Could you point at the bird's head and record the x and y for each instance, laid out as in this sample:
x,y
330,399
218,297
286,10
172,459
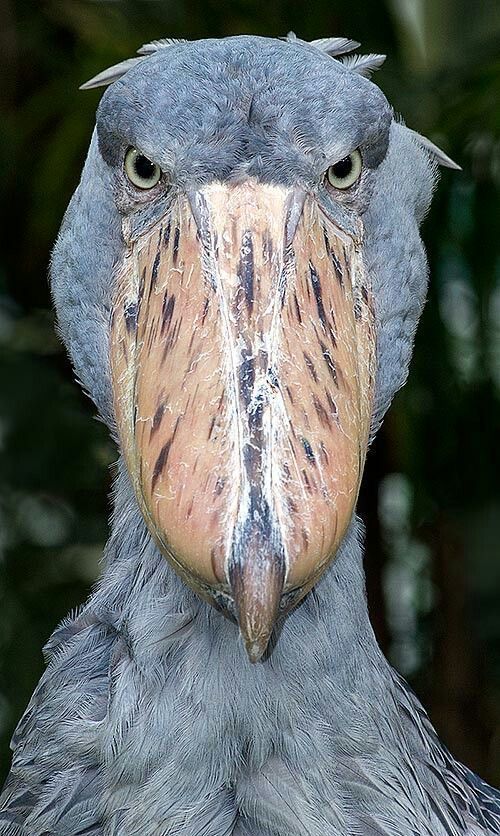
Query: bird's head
x,y
238,279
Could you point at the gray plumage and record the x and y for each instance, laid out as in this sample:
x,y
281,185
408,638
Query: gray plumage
x,y
149,718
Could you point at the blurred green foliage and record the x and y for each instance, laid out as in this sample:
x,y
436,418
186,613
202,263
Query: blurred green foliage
x,y
431,497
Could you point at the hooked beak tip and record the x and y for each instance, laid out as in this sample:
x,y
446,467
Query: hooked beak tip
x,y
257,586
256,649
256,632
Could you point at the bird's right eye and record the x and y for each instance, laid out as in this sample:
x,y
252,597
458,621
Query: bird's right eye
x,y
344,173
141,171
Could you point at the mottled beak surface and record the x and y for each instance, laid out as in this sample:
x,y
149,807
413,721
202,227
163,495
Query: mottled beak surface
x,y
242,357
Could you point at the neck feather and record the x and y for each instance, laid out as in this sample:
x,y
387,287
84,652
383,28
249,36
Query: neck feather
x,y
326,643
323,723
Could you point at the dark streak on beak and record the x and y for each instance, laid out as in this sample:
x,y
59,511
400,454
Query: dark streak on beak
x,y
256,566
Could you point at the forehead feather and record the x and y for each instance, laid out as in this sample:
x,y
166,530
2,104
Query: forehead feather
x,y
213,90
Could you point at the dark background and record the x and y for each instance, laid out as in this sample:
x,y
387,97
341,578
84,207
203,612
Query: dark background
x,y
431,496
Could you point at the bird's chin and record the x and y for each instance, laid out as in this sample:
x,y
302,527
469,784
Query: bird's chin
x,y
242,357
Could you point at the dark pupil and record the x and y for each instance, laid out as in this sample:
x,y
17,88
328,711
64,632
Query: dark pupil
x,y
145,169
343,168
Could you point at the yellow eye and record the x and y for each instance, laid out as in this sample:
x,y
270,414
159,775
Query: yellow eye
x,y
344,174
143,173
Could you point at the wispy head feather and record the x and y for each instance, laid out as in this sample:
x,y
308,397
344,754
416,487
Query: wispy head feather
x,y
335,46
363,64
118,70
111,74
338,48
434,151
154,46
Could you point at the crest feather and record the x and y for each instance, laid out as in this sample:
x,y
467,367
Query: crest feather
x,y
111,74
118,70
335,46
340,47
332,46
154,46
439,156
363,64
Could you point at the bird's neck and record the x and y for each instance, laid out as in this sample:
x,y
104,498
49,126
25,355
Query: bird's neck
x,y
304,730
324,650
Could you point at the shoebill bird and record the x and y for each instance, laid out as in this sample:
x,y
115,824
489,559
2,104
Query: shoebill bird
x,y
238,280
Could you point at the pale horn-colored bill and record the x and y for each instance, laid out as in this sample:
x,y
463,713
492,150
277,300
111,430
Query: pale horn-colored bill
x,y
243,355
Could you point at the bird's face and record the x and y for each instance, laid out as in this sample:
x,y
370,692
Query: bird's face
x,y
242,339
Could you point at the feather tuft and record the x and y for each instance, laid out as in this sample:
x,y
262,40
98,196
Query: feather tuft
x,y
434,151
162,43
118,70
332,46
363,64
335,46
111,74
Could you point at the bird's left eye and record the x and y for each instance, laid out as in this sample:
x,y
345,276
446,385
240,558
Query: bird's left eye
x,y
344,174
142,172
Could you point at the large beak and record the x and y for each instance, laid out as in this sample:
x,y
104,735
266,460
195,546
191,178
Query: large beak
x,y
242,357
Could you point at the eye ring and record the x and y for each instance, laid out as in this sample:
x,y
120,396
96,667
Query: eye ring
x,y
344,173
140,170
